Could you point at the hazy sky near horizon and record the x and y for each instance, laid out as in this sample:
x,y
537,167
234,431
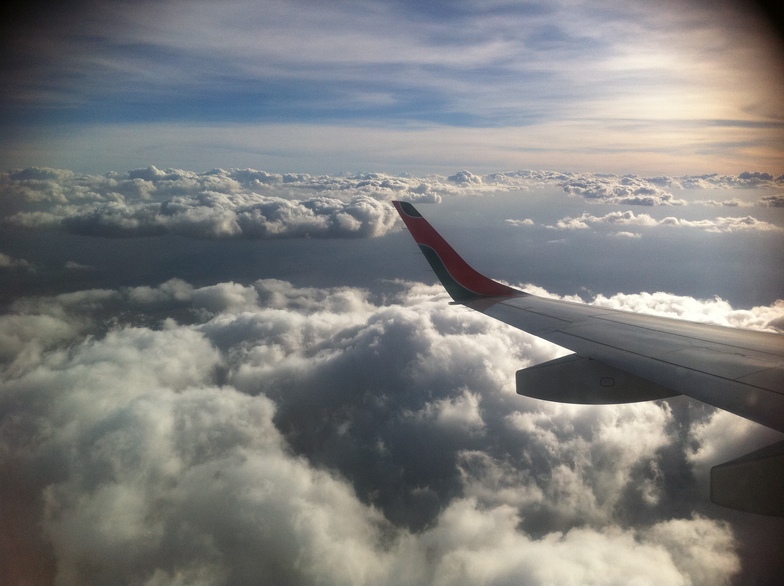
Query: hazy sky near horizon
x,y
223,360
673,87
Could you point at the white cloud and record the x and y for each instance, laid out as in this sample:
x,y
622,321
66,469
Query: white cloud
x,y
460,412
520,223
217,204
628,218
212,215
339,438
716,310
699,547
626,190
728,203
250,203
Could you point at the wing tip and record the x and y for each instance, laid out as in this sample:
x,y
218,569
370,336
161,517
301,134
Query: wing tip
x,y
407,208
462,282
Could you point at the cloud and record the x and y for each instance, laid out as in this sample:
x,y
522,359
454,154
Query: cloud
x,y
72,265
729,203
773,201
520,223
745,180
10,262
248,203
704,563
212,205
259,204
307,435
716,311
628,190
221,203
629,218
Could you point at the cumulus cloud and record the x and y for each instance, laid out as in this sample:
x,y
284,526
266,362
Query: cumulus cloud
x,y
237,434
217,204
627,190
716,311
745,180
610,188
629,218
258,204
214,215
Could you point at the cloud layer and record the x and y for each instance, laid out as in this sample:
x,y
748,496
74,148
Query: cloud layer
x,y
234,434
249,203
628,218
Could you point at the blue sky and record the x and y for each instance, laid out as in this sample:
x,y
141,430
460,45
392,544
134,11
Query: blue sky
x,y
679,87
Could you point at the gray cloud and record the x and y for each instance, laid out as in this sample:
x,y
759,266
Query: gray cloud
x,y
9,262
236,434
72,265
773,201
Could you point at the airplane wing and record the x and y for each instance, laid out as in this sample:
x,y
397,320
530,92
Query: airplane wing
x,y
624,357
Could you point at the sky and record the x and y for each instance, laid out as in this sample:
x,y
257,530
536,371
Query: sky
x,y
223,360
683,87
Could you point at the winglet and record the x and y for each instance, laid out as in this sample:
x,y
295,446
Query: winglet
x,y
460,280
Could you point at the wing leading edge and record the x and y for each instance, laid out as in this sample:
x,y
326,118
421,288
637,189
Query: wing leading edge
x,y
625,357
